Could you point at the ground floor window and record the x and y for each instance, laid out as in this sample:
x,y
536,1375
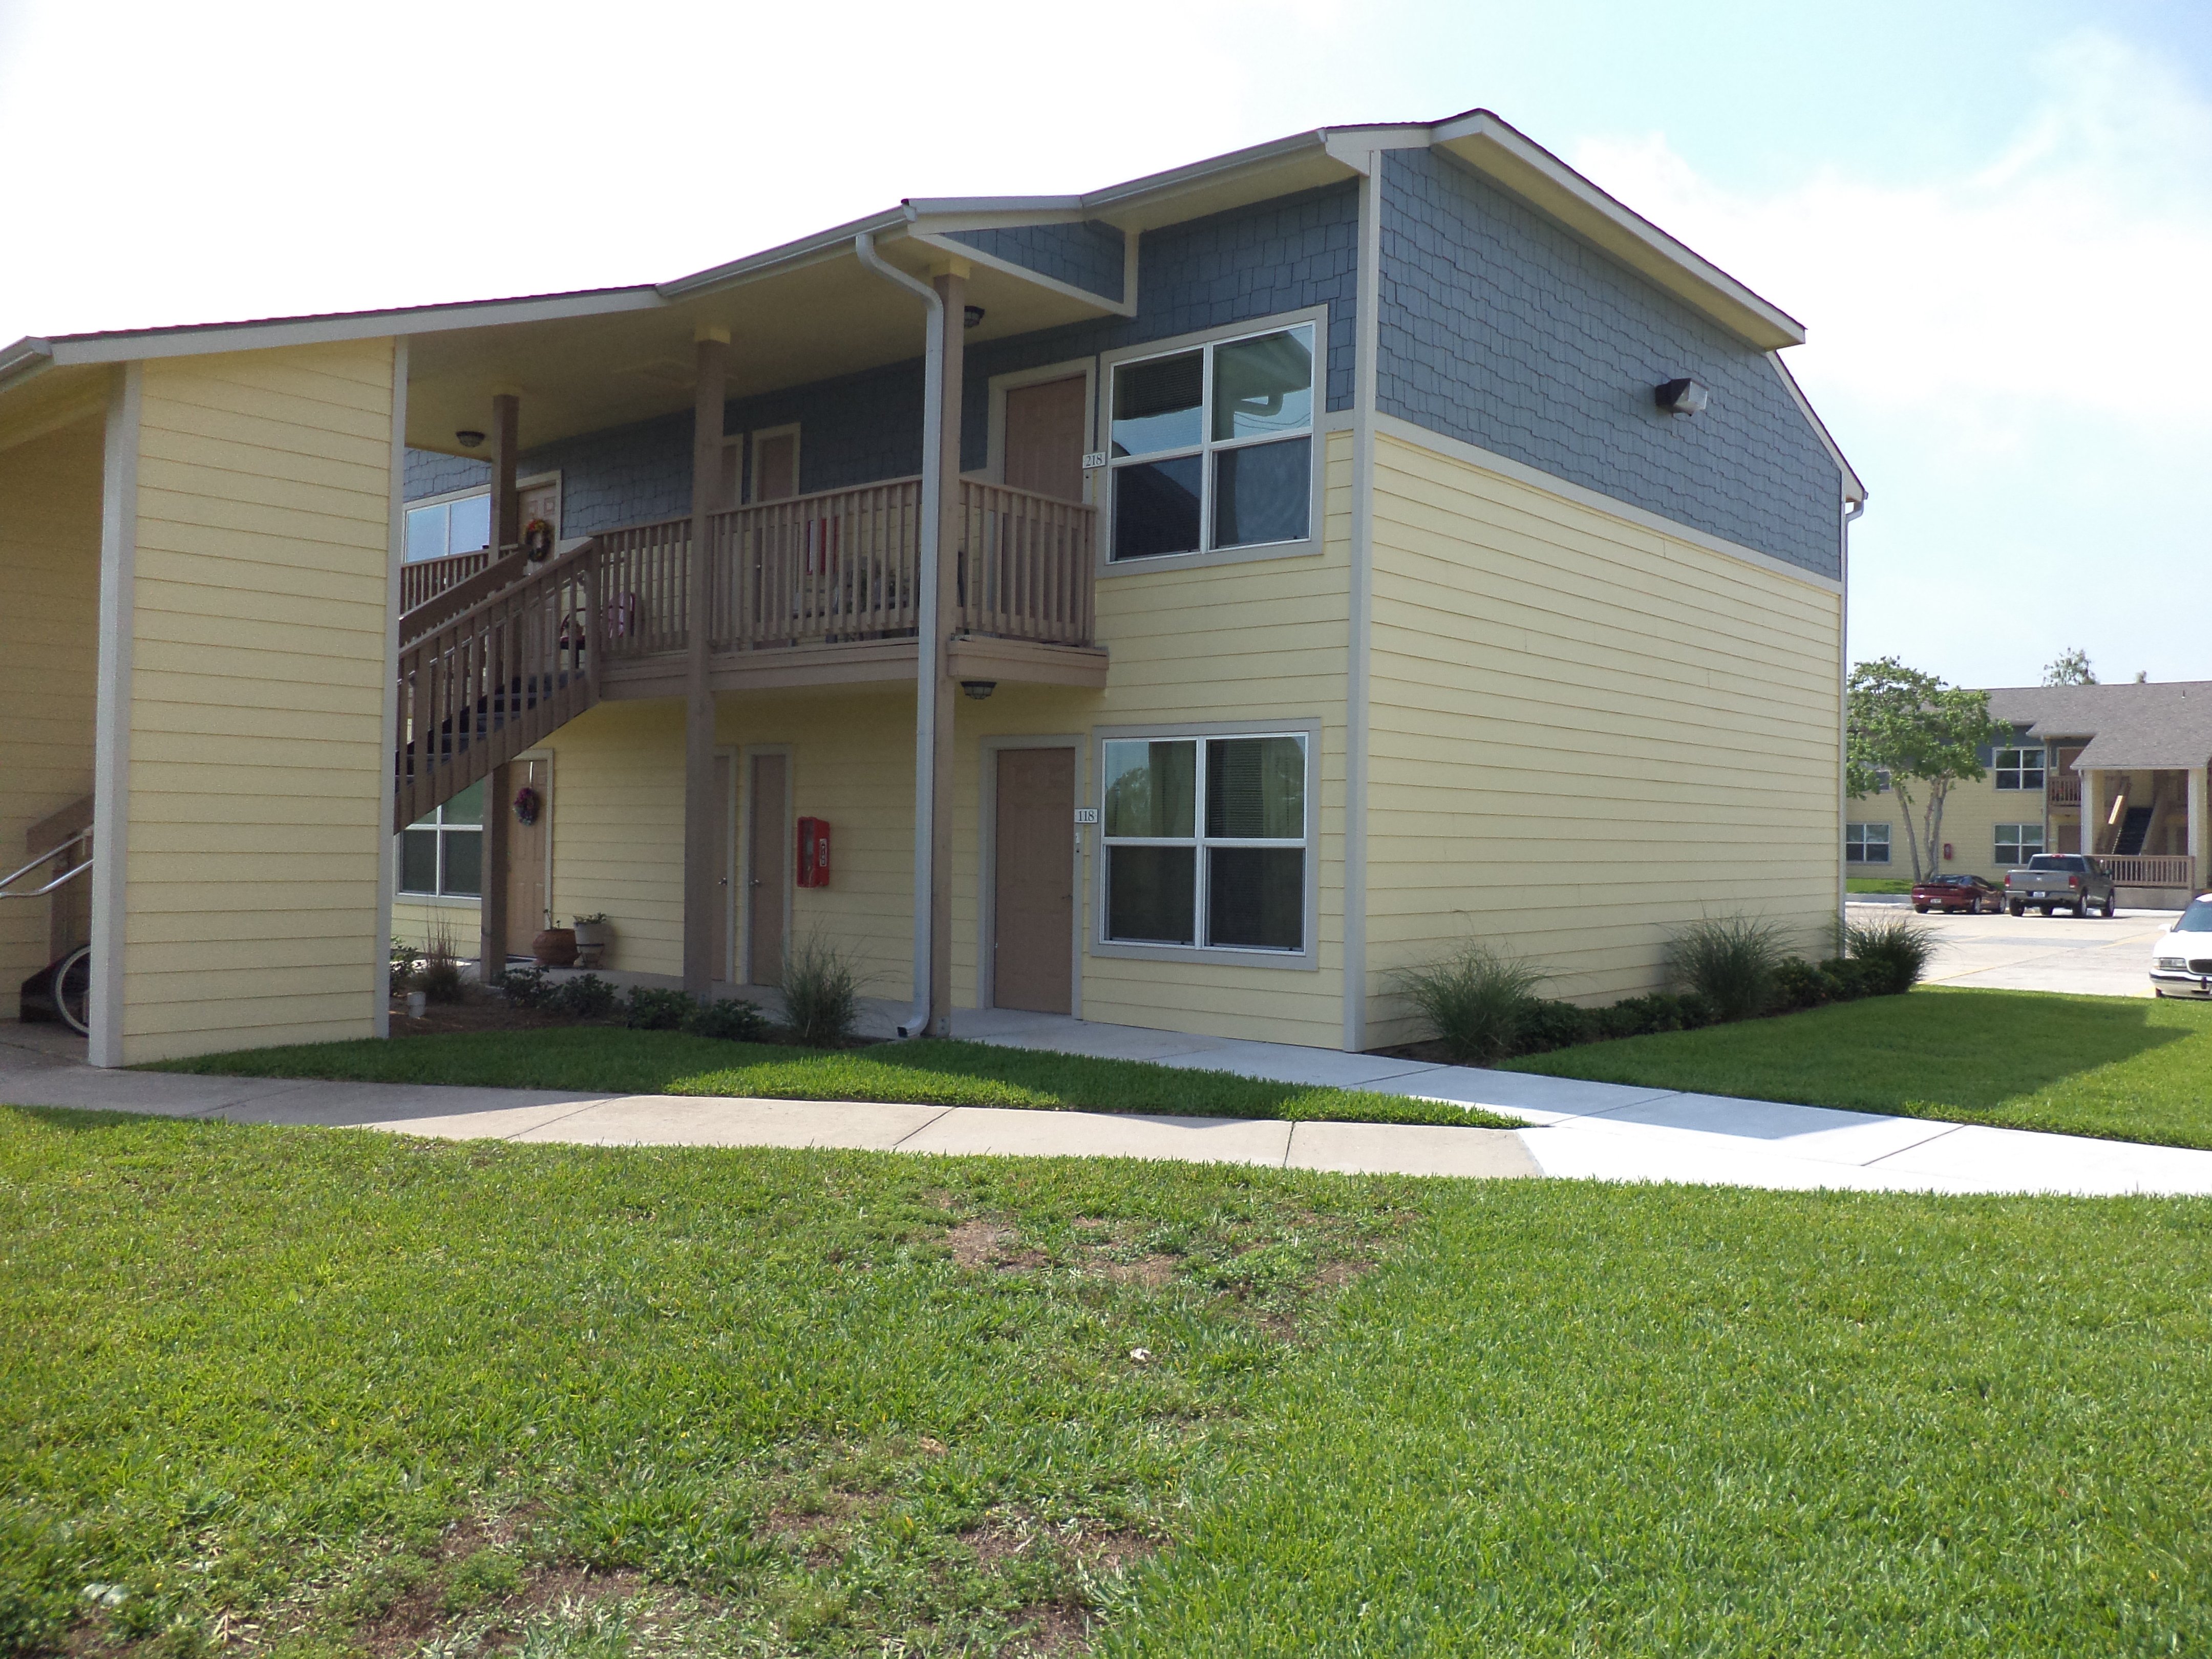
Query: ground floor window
x,y
2018,842
1866,843
443,855
1208,842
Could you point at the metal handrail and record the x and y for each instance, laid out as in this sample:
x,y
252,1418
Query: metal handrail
x,y
48,857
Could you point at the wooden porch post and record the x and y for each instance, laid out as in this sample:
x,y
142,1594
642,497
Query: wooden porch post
x,y
505,533
506,504
2197,805
702,858
491,910
2092,811
952,284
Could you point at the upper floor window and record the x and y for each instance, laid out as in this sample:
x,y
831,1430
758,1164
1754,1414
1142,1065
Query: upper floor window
x,y
461,524
2020,768
1213,447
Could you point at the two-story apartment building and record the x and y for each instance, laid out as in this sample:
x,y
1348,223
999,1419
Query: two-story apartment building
x,y
1179,604
2130,762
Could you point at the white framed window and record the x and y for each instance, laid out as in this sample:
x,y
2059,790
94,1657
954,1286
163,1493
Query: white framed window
x,y
441,856
449,524
1208,842
1866,843
760,466
1210,444
2018,842
2019,768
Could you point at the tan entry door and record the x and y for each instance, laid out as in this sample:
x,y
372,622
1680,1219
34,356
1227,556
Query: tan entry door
x,y
768,870
1033,881
527,845
1044,437
725,773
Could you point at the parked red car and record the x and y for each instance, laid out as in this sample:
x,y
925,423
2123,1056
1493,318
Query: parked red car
x,y
1949,893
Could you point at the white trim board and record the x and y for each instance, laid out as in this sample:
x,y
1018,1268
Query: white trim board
x,y
387,860
1367,323
1392,426
111,771
994,455
955,249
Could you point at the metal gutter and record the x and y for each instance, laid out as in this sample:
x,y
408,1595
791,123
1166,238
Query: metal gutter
x,y
805,251
28,355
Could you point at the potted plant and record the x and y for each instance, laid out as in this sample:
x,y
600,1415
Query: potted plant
x,y
592,937
554,947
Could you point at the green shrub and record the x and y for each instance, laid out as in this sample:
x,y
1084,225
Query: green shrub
x,y
1896,952
728,1019
525,988
649,1009
1474,1000
821,993
1730,960
1697,1013
1848,980
1546,1023
588,998
1799,984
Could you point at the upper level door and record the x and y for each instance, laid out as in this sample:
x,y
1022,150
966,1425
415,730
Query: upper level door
x,y
1044,437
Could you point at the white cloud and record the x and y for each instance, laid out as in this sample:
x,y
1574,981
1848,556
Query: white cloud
x,y
2070,271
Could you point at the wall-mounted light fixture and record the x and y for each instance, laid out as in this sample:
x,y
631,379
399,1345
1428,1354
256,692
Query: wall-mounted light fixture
x,y
972,315
979,690
1683,396
468,440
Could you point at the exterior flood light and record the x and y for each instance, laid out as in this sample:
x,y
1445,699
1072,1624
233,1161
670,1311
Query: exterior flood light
x,y
972,316
1683,396
979,690
468,440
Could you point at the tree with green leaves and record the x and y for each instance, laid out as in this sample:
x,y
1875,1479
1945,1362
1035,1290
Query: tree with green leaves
x,y
2072,668
1925,736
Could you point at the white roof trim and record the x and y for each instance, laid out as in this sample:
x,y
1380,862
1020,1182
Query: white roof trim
x,y
959,250
822,244
1854,489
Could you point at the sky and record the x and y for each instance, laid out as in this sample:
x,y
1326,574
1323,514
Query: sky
x,y
1994,216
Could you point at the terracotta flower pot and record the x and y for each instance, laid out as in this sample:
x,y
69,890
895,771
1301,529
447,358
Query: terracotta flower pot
x,y
554,948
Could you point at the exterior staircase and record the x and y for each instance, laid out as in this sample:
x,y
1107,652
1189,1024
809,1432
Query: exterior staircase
x,y
2133,828
489,667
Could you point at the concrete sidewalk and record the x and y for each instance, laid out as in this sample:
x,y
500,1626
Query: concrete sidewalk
x,y
1589,1130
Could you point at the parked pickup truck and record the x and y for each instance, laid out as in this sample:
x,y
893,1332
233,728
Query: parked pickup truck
x,y
2051,879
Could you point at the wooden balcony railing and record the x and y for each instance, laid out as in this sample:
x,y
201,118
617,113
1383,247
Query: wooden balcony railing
x,y
2149,872
481,687
845,564
2062,789
426,578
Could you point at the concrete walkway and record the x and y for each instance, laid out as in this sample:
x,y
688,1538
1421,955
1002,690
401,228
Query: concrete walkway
x,y
1590,1130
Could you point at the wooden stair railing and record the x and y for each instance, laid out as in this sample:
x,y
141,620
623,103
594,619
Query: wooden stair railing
x,y
421,581
441,606
480,687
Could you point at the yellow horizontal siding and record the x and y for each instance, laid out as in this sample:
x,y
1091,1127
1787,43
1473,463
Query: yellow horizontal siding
x,y
257,700
1584,733
618,829
49,666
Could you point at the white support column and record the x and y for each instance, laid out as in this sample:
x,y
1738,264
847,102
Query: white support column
x,y
2092,811
2200,779
111,767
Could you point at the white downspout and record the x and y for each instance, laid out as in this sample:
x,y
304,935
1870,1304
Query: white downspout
x,y
929,641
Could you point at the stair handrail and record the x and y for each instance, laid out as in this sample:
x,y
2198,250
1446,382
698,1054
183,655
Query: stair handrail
x,y
546,567
448,603
48,857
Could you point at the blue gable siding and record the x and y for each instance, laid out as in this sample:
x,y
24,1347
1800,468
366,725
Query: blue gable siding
x,y
1500,329
1288,254
429,473
1088,256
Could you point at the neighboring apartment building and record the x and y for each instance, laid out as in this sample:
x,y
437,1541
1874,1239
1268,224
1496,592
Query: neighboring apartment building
x,y
2129,761
1182,604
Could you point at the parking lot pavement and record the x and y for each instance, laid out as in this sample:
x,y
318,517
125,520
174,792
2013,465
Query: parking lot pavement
x,y
2087,956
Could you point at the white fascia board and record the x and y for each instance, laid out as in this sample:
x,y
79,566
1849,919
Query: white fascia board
x,y
992,212
27,356
1353,145
1199,172
1854,489
975,256
197,339
1533,173
823,244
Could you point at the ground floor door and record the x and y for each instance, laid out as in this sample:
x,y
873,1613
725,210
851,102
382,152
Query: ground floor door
x,y
768,867
1033,881
529,845
725,844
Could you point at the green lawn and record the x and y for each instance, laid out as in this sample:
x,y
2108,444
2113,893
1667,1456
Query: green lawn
x,y
2121,1067
312,1393
930,1072
1877,883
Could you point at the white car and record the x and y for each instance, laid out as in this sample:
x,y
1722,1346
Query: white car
x,y
2181,961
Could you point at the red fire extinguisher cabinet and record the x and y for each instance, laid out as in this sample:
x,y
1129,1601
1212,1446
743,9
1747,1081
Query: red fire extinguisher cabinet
x,y
813,851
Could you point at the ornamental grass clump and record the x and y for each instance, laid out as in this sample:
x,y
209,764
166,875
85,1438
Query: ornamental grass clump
x,y
438,978
1895,951
1731,961
1475,1001
821,993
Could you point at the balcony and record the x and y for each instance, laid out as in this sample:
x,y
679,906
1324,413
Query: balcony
x,y
824,588
2062,789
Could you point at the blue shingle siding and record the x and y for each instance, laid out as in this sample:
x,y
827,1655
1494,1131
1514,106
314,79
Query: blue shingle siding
x,y
429,473
1088,256
1500,329
1288,254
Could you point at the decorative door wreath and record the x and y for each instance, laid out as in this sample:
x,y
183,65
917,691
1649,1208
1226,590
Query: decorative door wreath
x,y
537,539
527,803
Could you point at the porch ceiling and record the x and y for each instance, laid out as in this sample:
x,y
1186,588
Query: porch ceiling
x,y
809,321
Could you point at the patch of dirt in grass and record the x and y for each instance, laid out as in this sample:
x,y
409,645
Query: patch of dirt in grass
x,y
978,1244
419,1616
1051,1629
1150,1271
